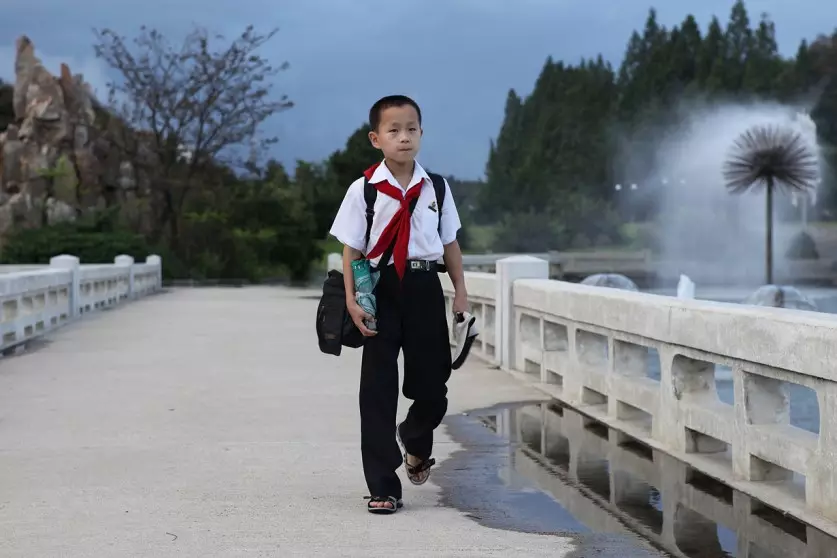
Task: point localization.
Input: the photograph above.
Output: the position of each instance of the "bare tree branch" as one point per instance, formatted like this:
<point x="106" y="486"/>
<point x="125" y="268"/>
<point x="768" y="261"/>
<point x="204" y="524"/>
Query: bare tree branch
<point x="189" y="107"/>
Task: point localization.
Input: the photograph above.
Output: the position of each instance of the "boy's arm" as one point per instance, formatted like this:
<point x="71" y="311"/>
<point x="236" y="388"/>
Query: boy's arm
<point x="349" y="255"/>
<point x="453" y="261"/>
<point x="450" y="226"/>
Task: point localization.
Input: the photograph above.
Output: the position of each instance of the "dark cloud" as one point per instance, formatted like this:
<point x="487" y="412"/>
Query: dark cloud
<point x="458" y="58"/>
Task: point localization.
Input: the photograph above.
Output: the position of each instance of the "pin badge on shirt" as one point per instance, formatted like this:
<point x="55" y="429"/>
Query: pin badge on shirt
<point x="432" y="207"/>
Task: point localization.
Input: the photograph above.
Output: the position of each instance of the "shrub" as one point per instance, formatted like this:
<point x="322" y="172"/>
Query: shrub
<point x="39" y="245"/>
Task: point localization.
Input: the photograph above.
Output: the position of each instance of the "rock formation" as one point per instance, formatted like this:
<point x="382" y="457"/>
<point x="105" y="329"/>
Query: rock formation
<point x="58" y="161"/>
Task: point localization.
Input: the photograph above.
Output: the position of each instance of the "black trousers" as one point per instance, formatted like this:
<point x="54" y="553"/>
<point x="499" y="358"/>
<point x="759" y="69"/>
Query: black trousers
<point x="411" y="317"/>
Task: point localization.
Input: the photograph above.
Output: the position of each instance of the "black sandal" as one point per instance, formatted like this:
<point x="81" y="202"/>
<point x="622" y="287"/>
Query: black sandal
<point x="397" y="504"/>
<point x="414" y="472"/>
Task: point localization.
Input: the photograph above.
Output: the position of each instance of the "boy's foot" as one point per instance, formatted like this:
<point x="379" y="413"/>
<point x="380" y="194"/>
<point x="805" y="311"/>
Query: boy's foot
<point x="383" y="504"/>
<point x="418" y="470"/>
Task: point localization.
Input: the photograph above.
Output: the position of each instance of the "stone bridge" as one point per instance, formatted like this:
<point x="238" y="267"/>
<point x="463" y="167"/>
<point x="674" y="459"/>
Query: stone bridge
<point x="204" y="422"/>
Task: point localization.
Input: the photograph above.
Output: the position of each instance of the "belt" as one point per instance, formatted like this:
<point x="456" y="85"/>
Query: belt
<point x="422" y="265"/>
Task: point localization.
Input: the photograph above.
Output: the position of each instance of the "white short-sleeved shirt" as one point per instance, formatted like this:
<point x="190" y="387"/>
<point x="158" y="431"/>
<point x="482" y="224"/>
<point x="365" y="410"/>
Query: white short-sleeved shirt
<point x="349" y="225"/>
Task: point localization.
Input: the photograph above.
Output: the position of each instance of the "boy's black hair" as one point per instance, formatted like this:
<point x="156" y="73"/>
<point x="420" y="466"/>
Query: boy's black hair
<point x="388" y="102"/>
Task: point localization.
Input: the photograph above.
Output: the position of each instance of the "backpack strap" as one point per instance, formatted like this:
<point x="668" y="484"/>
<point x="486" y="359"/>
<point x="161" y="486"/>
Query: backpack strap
<point x="439" y="188"/>
<point x="370" y="194"/>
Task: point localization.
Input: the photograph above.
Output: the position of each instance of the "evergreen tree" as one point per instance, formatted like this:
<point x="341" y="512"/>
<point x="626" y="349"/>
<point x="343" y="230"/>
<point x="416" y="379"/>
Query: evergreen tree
<point x="763" y="66"/>
<point x="502" y="158"/>
<point x="711" y="58"/>
<point x="738" y="41"/>
<point x="554" y="156"/>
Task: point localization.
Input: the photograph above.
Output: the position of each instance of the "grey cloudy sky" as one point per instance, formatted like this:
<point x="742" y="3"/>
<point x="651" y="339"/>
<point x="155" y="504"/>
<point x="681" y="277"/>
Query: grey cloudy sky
<point x="457" y="58"/>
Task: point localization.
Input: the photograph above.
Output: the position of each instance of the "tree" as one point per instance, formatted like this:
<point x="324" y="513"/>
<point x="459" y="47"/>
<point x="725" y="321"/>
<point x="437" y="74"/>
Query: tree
<point x="763" y="66"/>
<point x="738" y="41"/>
<point x="359" y="154"/>
<point x="187" y="109"/>
<point x="711" y="58"/>
<point x="502" y="157"/>
<point x="322" y="193"/>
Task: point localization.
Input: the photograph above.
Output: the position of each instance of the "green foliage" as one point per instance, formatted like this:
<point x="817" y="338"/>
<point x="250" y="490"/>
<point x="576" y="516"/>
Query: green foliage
<point x="89" y="243"/>
<point x="96" y="238"/>
<point x="321" y="192"/>
<point x="529" y="231"/>
<point x="358" y="155"/>
<point x="264" y="229"/>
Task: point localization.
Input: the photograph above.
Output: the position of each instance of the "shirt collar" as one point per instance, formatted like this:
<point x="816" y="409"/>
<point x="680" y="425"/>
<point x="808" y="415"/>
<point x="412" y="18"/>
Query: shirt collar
<point x="382" y="173"/>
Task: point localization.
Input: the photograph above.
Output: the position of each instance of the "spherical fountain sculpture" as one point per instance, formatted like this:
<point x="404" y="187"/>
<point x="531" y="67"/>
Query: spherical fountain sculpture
<point x="611" y="280"/>
<point x="688" y="165"/>
<point x="781" y="296"/>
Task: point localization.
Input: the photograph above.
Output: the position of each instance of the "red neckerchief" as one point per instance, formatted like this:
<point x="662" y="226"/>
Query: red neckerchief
<point x="398" y="227"/>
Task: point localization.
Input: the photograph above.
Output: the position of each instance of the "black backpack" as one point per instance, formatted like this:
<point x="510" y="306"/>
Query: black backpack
<point x="335" y="328"/>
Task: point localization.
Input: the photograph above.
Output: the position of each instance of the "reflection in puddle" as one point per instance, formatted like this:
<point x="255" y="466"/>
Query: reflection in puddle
<point x="639" y="490"/>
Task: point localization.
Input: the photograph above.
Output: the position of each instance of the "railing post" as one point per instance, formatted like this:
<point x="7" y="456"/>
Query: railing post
<point x="157" y="262"/>
<point x="508" y="271"/>
<point x="821" y="480"/>
<point x="127" y="261"/>
<point x="72" y="263"/>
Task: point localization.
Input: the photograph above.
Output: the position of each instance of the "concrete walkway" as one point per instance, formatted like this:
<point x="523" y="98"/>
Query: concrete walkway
<point x="206" y="423"/>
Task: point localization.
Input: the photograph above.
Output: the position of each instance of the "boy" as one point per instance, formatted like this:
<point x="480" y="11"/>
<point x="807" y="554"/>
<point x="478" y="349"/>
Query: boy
<point x="411" y="313"/>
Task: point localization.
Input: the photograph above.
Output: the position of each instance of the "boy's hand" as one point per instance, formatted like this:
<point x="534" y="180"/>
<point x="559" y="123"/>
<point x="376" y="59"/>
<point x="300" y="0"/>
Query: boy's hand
<point x="460" y="302"/>
<point x="358" y="314"/>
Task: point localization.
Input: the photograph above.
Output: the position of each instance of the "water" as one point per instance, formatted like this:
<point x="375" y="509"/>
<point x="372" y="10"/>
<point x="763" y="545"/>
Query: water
<point x="684" y="185"/>
<point x="543" y="467"/>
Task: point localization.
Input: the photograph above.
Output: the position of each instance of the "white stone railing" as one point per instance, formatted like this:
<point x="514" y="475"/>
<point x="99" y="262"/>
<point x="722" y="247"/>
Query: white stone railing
<point x="37" y="299"/>
<point x="589" y="347"/>
<point x="643" y="264"/>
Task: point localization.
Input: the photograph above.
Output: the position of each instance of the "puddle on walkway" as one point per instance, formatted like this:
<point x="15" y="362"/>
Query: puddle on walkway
<point x="545" y="468"/>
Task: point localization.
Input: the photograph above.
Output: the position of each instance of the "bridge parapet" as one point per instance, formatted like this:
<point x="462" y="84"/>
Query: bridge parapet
<point x="37" y="299"/>
<point x="591" y="347"/>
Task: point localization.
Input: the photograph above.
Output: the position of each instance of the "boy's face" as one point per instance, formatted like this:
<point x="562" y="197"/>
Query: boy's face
<point x="399" y="134"/>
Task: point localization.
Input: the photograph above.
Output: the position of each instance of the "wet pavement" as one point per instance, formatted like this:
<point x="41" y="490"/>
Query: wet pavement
<point x="545" y="468"/>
